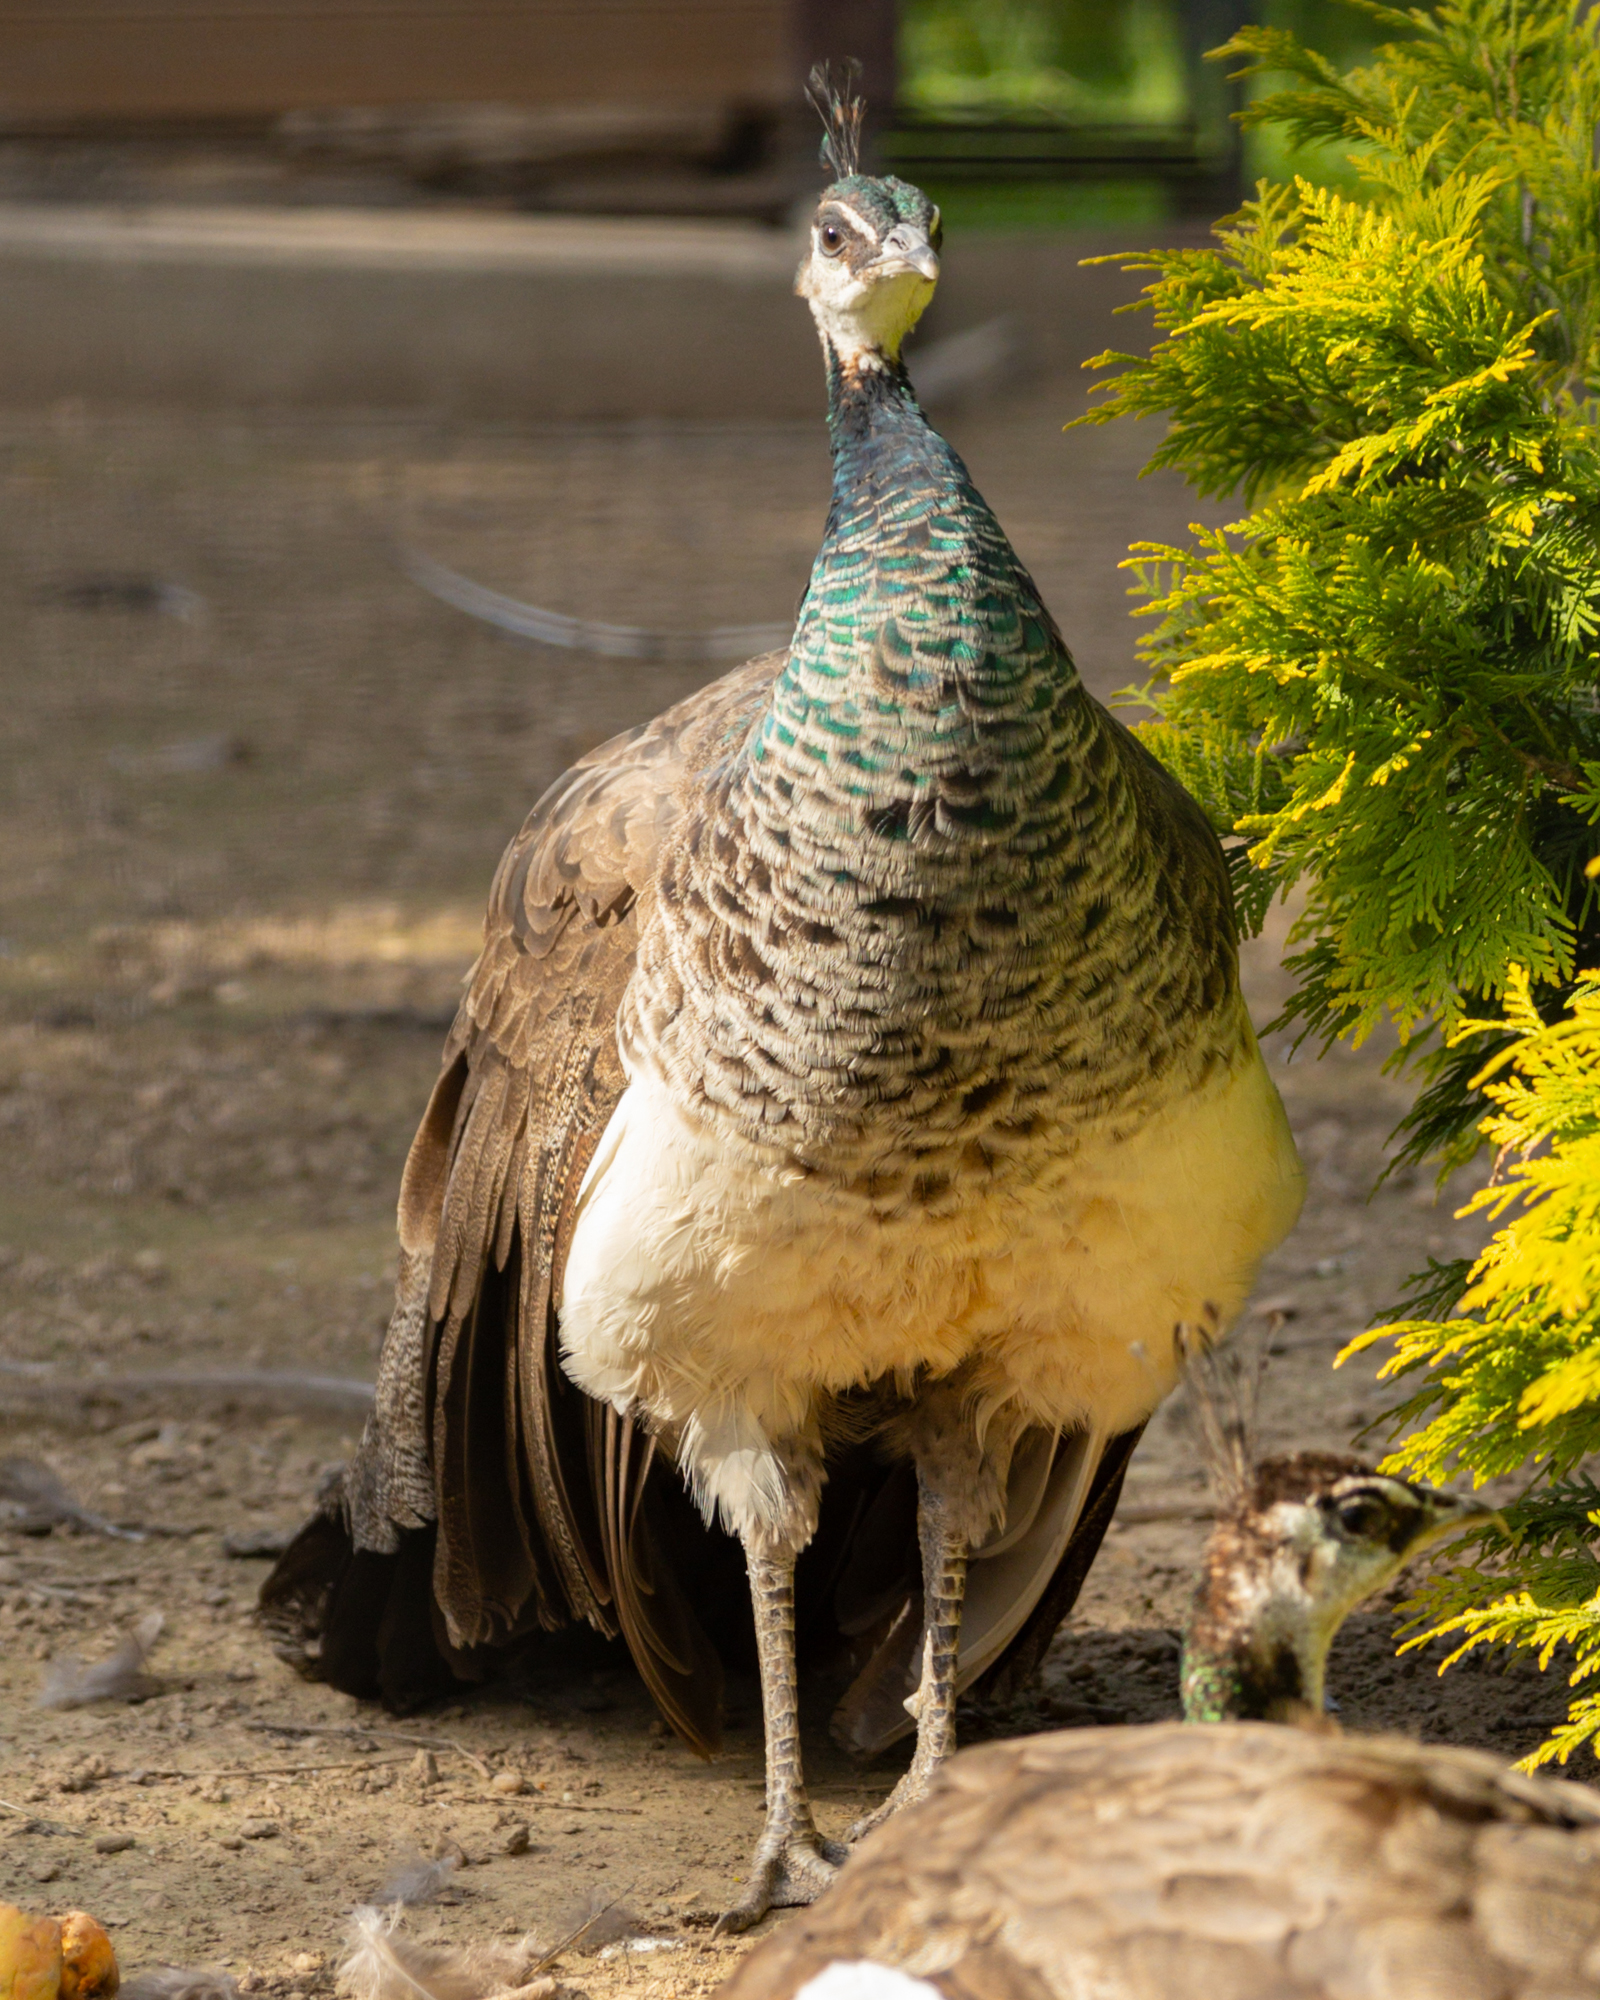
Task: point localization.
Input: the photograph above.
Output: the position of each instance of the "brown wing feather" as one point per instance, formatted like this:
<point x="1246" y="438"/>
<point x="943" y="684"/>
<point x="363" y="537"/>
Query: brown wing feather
<point x="1020" y="1662"/>
<point x="676" y="1660"/>
<point x="540" y="1517"/>
<point x="491" y="1566"/>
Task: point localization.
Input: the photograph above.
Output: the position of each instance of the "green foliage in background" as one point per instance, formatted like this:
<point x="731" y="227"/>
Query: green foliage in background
<point x="1082" y="63"/>
<point x="1043" y="59"/>
<point x="1382" y="680"/>
<point x="971" y="207"/>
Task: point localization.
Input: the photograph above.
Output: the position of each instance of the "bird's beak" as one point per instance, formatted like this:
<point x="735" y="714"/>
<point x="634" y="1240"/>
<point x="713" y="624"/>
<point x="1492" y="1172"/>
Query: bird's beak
<point x="906" y="248"/>
<point x="1444" y="1514"/>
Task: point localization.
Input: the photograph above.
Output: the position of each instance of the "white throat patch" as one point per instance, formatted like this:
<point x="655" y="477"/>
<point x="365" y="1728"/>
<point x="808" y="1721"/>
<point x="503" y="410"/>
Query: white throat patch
<point x="864" y="316"/>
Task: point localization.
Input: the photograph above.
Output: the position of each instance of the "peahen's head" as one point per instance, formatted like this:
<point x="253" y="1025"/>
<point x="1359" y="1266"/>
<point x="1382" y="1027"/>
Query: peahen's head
<point x="873" y="257"/>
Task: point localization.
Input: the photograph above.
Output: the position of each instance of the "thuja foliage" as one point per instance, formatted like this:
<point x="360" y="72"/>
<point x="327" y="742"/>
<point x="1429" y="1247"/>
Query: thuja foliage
<point x="1381" y="681"/>
<point x="1517" y="1373"/>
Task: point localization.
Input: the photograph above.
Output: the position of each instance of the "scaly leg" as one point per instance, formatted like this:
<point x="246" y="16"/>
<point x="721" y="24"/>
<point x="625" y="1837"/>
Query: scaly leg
<point x="793" y="1863"/>
<point x="944" y="1584"/>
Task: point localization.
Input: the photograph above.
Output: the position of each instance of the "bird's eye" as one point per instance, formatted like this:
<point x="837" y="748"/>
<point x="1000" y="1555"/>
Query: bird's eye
<point x="832" y="239"/>
<point x="1360" y="1517"/>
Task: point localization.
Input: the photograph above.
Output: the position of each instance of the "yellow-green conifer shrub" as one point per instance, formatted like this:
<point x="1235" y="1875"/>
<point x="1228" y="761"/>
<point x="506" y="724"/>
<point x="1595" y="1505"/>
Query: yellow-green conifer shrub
<point x="1514" y="1378"/>
<point x="1381" y="680"/>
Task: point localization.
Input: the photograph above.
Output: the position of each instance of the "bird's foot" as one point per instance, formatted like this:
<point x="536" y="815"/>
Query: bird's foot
<point x="791" y="1867"/>
<point x="913" y="1786"/>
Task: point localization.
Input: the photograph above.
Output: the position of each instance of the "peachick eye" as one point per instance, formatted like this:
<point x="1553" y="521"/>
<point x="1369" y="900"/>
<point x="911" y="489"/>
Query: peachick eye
<point x="831" y="238"/>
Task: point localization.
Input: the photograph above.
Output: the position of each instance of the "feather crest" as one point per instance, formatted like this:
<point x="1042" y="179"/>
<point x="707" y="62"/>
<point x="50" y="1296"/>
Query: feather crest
<point x="1224" y="1386"/>
<point x="834" y="97"/>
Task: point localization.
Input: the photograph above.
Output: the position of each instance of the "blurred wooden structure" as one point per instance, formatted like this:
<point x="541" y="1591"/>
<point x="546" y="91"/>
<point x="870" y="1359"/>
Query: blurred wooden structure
<point x="70" y="63"/>
<point x="676" y="107"/>
<point x="627" y="106"/>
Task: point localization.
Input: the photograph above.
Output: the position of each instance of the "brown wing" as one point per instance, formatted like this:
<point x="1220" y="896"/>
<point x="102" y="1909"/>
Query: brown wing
<point x="1242" y="1859"/>
<point x="539" y="1496"/>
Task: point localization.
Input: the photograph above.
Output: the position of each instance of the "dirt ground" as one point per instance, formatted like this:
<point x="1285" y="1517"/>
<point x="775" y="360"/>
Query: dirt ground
<point x="252" y="787"/>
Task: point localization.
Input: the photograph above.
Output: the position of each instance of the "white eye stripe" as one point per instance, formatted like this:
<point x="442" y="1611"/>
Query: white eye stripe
<point x="853" y="221"/>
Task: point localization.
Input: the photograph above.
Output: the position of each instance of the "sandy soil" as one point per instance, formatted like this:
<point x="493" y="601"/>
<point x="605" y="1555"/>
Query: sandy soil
<point x="252" y="787"/>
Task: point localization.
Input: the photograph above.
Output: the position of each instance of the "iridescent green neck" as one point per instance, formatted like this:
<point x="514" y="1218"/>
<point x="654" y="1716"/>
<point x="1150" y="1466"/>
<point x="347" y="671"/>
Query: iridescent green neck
<point x="916" y="592"/>
<point x="884" y="448"/>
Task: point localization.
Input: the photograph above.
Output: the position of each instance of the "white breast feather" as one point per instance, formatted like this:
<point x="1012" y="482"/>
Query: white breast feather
<point x="720" y="1296"/>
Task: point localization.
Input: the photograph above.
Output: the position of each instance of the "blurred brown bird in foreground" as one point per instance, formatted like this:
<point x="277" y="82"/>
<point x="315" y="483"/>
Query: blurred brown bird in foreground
<point x="1235" y="1862"/>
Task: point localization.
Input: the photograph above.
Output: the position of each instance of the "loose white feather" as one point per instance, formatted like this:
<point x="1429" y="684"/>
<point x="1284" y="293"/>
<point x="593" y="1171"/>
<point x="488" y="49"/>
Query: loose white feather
<point x="382" y="1964"/>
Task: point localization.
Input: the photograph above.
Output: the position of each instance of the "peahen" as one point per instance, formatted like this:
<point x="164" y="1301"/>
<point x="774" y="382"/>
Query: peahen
<point x="852" y="1095"/>
<point x="1243" y="1861"/>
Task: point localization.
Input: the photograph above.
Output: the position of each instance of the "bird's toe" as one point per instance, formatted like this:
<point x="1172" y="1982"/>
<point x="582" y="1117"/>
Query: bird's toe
<point x="786" y="1873"/>
<point x="913" y="1786"/>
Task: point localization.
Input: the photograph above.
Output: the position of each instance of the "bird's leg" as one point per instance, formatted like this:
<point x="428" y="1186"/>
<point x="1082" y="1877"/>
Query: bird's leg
<point x="793" y="1863"/>
<point x="944" y="1583"/>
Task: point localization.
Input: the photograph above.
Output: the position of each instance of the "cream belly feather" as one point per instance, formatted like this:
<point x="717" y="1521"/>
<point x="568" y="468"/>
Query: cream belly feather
<point x="723" y="1297"/>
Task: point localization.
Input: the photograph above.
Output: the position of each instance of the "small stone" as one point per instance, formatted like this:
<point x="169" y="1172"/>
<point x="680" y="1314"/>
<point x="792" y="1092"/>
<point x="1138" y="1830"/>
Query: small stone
<point x="508" y="1782"/>
<point x="258" y="1829"/>
<point x="46" y="1871"/>
<point x="516" y="1839"/>
<point x="232" y="1842"/>
<point x="114" y="1843"/>
<point x="258" y="1544"/>
<point x="307" y="1961"/>
<point x="85" y="1774"/>
<point x="424" y="1767"/>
